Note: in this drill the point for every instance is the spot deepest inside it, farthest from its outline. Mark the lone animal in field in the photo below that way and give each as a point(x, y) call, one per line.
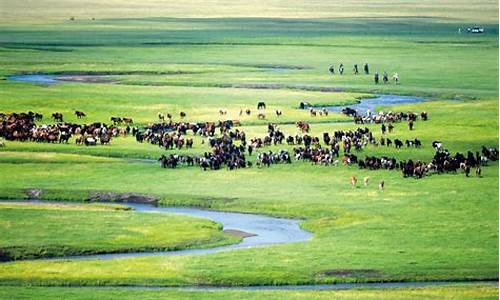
point(303, 126)
point(381, 185)
point(261, 105)
point(365, 180)
point(182, 114)
point(353, 181)
point(80, 114)
point(57, 116)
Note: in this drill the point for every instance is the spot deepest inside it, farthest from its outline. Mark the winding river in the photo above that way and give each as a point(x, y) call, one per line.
point(370, 104)
point(259, 230)
point(266, 231)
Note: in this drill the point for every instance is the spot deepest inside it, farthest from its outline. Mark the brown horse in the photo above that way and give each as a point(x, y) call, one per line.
point(80, 114)
point(303, 126)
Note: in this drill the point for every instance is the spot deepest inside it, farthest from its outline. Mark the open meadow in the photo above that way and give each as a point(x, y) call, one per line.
point(208, 62)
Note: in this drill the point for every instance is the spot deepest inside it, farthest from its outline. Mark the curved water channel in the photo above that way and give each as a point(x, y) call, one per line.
point(258, 230)
point(364, 105)
point(371, 104)
point(266, 231)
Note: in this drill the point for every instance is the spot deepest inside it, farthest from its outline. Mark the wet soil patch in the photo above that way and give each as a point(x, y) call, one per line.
point(371, 273)
point(122, 197)
point(239, 233)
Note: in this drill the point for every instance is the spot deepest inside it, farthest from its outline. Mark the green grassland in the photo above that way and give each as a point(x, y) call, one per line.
point(436, 228)
point(442, 227)
point(455, 292)
point(30, 231)
point(50, 10)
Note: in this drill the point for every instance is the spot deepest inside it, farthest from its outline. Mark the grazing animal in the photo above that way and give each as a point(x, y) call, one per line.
point(57, 116)
point(105, 139)
point(116, 120)
point(90, 141)
point(261, 105)
point(80, 114)
point(303, 126)
point(304, 105)
point(349, 112)
point(381, 185)
point(365, 180)
point(79, 140)
point(437, 145)
point(353, 181)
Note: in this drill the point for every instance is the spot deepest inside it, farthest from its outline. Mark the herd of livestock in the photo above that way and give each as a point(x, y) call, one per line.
point(229, 147)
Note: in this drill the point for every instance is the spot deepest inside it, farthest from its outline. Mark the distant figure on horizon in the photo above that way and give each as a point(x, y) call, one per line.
point(331, 69)
point(395, 77)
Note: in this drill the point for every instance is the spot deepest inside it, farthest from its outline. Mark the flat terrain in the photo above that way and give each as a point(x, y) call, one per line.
point(441, 227)
point(455, 292)
point(34, 231)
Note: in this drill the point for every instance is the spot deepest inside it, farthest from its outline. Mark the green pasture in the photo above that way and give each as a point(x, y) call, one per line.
point(31, 231)
point(442, 227)
point(455, 292)
point(412, 230)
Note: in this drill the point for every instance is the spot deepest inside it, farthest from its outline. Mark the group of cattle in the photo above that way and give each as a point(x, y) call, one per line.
point(384, 117)
point(223, 153)
point(22, 127)
point(443, 162)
